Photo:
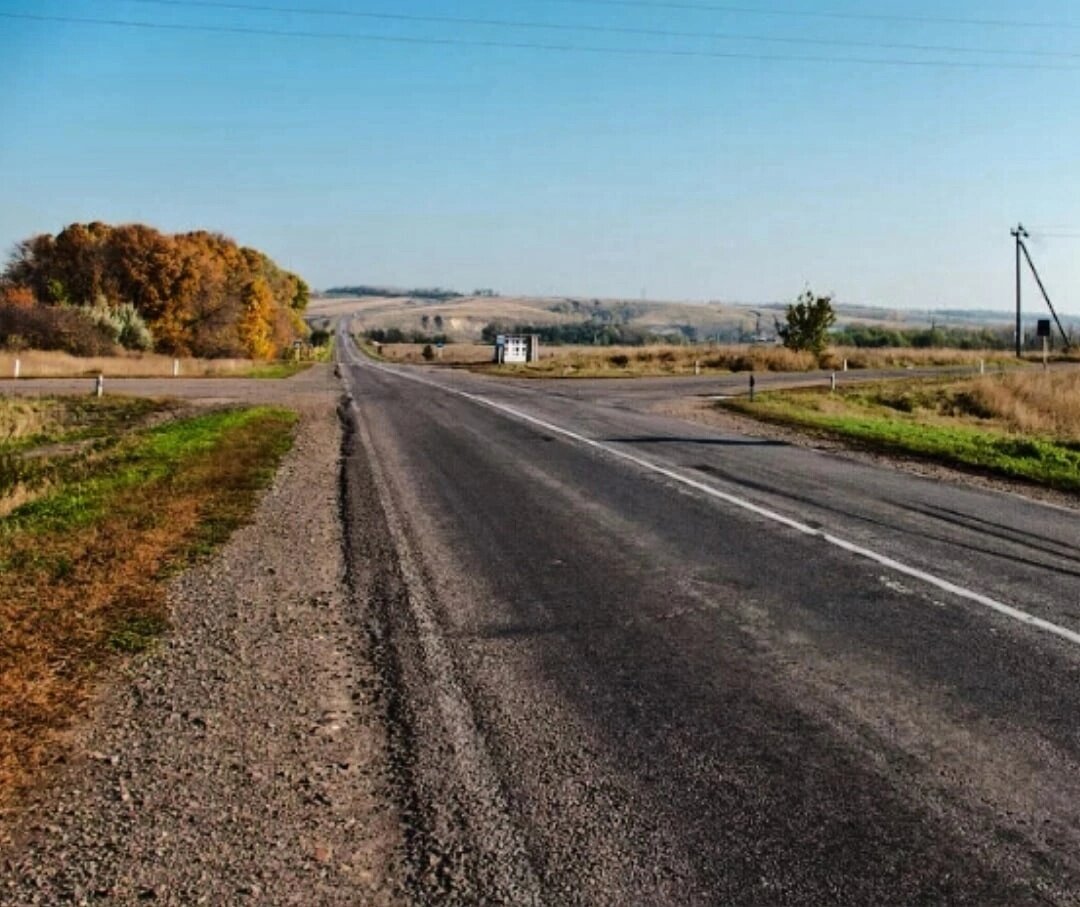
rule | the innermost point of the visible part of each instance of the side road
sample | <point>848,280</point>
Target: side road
<point>244,759</point>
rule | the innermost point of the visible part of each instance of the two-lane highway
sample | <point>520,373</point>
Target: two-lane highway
<point>631,660</point>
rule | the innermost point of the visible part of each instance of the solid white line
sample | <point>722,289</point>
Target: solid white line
<point>945,585</point>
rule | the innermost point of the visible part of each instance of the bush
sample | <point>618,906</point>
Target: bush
<point>124,323</point>
<point>319,337</point>
<point>46,327</point>
<point>428,352</point>
<point>619,360</point>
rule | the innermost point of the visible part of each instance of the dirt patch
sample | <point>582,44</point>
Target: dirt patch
<point>242,760</point>
<point>707,413</point>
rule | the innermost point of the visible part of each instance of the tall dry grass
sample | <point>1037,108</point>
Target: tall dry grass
<point>673,359</point>
<point>904,357</point>
<point>26,418</point>
<point>1032,402</point>
<point>51,364</point>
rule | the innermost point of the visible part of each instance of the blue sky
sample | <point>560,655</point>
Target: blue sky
<point>563,172</point>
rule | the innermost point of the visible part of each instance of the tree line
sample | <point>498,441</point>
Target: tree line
<point>94,287</point>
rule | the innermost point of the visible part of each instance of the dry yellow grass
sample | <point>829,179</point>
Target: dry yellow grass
<point>81,575</point>
<point>25,418</point>
<point>673,359</point>
<point>48,364</point>
<point>903,357</point>
<point>452,354</point>
<point>1031,402</point>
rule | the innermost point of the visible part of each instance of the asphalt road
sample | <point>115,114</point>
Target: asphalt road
<point>630,660</point>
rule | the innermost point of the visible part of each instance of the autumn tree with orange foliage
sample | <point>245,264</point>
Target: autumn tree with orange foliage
<point>198,293</point>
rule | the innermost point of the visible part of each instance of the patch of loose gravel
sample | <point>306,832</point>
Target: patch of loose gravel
<point>705,412</point>
<point>243,760</point>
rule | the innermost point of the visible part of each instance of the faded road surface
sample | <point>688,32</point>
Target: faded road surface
<point>630,660</point>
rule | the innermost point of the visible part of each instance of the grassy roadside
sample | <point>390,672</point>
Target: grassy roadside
<point>274,370</point>
<point>1023,425</point>
<point>82,564</point>
<point>675,360</point>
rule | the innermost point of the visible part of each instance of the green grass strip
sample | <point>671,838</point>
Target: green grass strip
<point>1041,460</point>
<point>150,456</point>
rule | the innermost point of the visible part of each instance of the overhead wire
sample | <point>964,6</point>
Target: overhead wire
<point>827,14</point>
<point>602,29</point>
<point>538,46</point>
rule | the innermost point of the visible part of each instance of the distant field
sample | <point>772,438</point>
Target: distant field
<point>1023,424</point>
<point>42,364</point>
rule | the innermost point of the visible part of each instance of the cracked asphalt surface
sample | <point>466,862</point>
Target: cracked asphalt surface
<point>604,686</point>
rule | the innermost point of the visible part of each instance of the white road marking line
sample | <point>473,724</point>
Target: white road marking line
<point>869,554</point>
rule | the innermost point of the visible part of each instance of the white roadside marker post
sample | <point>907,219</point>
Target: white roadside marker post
<point>99,386</point>
<point>18,367</point>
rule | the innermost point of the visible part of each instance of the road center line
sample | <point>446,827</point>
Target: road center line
<point>860,551</point>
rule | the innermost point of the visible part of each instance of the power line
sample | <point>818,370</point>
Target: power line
<point>538,46</point>
<point>601,29</point>
<point>819,14</point>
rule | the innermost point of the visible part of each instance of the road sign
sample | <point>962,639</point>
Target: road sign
<point>1043,329</point>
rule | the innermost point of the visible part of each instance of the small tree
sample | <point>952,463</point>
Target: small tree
<point>428,353</point>
<point>808,323</point>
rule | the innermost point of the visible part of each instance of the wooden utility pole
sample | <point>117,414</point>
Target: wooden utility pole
<point>1018,233</point>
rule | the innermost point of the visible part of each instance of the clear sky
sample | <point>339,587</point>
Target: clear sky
<point>566,172</point>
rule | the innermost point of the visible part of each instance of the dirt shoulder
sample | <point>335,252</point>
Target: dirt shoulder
<point>705,412</point>
<point>243,760</point>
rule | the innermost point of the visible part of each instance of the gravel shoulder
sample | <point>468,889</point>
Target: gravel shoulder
<point>244,759</point>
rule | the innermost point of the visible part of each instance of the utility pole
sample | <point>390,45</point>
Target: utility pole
<point>1018,234</point>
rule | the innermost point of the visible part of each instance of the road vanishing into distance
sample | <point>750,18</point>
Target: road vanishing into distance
<point>633,660</point>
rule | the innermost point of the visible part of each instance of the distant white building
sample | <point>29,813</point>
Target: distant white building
<point>517,348</point>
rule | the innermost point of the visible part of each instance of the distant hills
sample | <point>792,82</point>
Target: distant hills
<point>470,317</point>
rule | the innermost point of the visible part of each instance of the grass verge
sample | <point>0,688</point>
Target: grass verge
<point>983,424</point>
<point>284,369</point>
<point>82,567</point>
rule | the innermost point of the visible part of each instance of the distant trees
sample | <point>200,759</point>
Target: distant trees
<point>808,323</point>
<point>960,338</point>
<point>193,293</point>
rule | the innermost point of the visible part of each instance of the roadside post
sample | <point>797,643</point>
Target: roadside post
<point>99,386</point>
<point>845,365</point>
<point>18,367</point>
<point>982,366</point>
<point>176,368</point>
<point>751,388</point>
<point>832,383</point>
<point>697,366</point>
<point>1043,331</point>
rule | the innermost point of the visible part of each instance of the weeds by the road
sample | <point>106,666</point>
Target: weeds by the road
<point>1020,424</point>
<point>53,364</point>
<point>82,564</point>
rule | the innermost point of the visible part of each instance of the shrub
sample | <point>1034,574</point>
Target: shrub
<point>428,352</point>
<point>46,327</point>
<point>619,360</point>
